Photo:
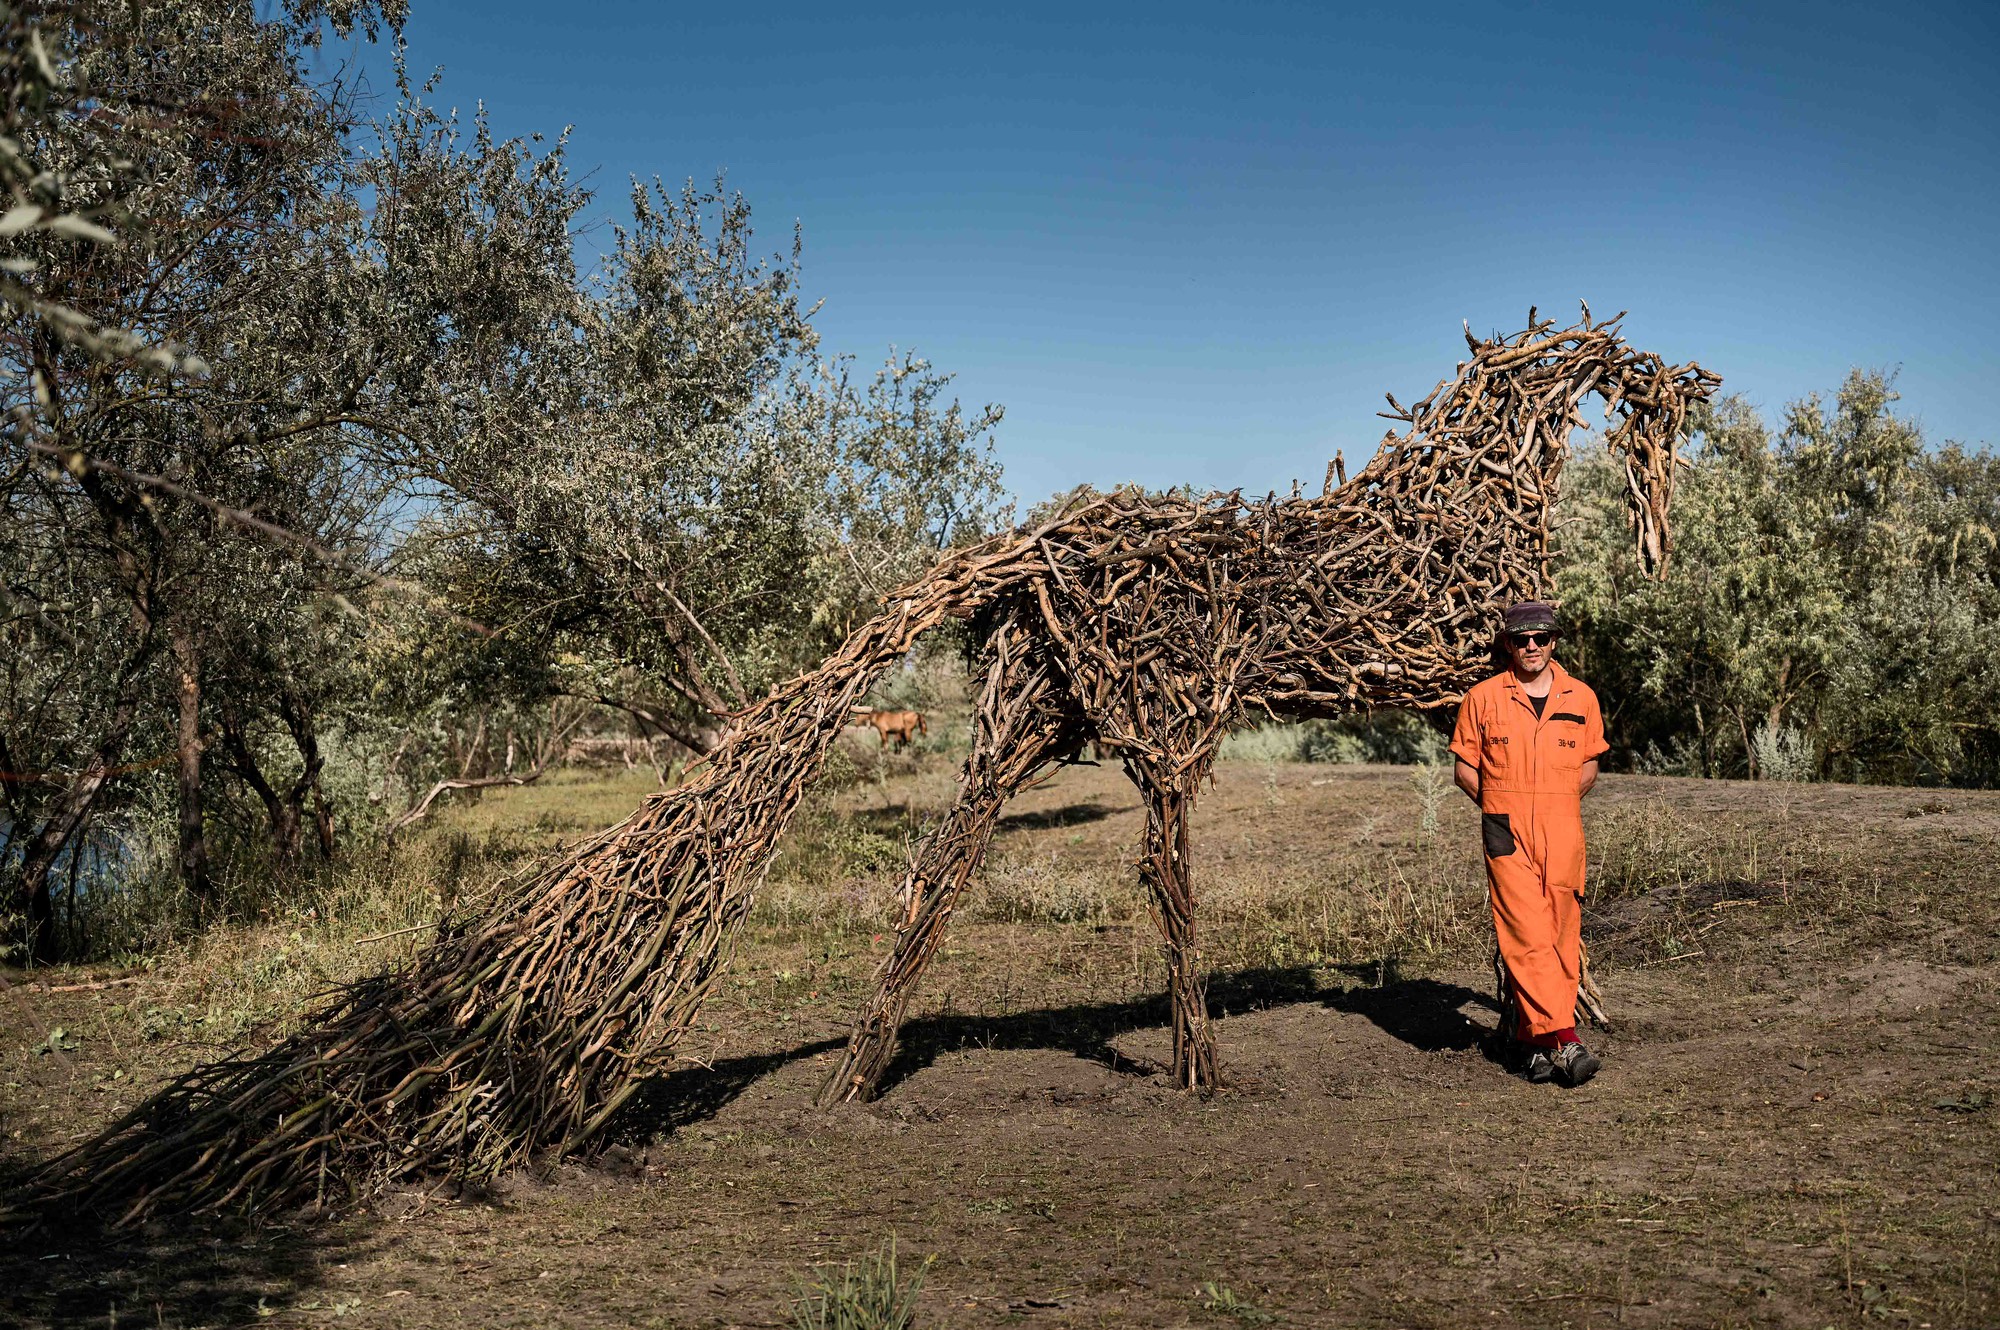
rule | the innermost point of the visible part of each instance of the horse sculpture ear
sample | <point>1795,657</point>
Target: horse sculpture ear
<point>1336,474</point>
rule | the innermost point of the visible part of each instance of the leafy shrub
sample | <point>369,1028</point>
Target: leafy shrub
<point>1784,753</point>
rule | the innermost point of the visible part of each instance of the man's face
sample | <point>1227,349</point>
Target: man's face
<point>1531,649</point>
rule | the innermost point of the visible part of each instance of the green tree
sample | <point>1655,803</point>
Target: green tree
<point>707,504</point>
<point>160,484</point>
<point>1830,608</point>
<point>316,439</point>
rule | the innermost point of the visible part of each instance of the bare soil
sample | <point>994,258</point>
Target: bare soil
<point>1796,1124</point>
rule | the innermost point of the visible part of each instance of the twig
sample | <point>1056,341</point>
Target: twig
<point>394,932</point>
<point>92,987</point>
<point>423,806</point>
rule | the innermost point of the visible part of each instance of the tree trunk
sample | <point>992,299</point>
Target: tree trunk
<point>323,821</point>
<point>1776,711</point>
<point>299,722</point>
<point>281,814</point>
<point>59,830</point>
<point>1707,743</point>
<point>187,751</point>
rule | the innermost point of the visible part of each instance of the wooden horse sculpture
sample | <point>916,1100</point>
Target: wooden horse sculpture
<point>1148,626</point>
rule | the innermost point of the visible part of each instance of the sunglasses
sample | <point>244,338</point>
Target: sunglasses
<point>1531,639</point>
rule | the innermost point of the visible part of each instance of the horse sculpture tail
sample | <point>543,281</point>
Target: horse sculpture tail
<point>522,1029</point>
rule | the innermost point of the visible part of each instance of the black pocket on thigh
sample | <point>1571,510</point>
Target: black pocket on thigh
<point>1498,834</point>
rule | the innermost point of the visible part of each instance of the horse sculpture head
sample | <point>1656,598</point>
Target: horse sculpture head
<point>1646,407</point>
<point>1495,435</point>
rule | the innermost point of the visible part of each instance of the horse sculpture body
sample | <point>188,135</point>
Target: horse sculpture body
<point>1148,626</point>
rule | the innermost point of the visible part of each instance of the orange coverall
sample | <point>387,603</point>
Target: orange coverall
<point>1531,820</point>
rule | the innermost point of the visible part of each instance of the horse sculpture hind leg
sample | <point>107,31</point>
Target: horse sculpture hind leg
<point>1165,869</point>
<point>1018,732</point>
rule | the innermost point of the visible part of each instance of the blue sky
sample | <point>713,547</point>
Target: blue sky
<point>1195,244</point>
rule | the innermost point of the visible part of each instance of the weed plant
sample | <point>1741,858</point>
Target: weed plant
<point>1220,1298</point>
<point>868,1294</point>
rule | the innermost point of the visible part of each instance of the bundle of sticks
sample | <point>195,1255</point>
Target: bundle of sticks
<point>1146,625</point>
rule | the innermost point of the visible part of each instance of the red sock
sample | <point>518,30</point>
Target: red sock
<point>1553,1039</point>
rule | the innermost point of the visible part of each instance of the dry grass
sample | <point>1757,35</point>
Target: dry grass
<point>221,984</point>
<point>1647,846</point>
<point>1394,886</point>
<point>839,874</point>
<point>1402,883</point>
<point>1400,886</point>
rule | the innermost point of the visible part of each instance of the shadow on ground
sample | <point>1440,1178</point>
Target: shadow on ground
<point>1423,1013</point>
<point>200,1271</point>
<point>1069,815</point>
<point>220,1271</point>
<point>692,1095</point>
<point>1088,1029</point>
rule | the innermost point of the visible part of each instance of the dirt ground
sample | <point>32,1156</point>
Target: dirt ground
<point>1795,1126</point>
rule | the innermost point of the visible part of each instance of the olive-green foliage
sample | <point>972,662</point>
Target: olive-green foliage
<point>223,384</point>
<point>327,474</point>
<point>1832,610</point>
<point>1388,736</point>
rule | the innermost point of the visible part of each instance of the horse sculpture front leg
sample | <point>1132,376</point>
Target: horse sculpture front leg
<point>1021,726</point>
<point>1166,871</point>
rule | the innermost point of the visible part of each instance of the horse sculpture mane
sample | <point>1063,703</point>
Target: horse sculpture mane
<point>1145,625</point>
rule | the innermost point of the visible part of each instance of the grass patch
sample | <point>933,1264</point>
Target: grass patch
<point>868,1294</point>
<point>1223,1300</point>
<point>1049,888</point>
<point>1429,907</point>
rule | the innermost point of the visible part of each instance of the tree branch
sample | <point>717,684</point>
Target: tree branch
<point>423,806</point>
<point>80,463</point>
<point>691,740</point>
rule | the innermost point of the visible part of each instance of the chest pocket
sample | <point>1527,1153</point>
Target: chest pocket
<point>1496,757</point>
<point>1562,741</point>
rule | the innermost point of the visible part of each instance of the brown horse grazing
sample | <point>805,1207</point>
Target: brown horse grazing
<point>902,725</point>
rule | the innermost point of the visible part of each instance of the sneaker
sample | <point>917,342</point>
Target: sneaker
<point>1538,1066</point>
<point>1575,1064</point>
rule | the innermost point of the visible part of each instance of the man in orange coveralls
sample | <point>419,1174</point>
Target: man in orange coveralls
<point>1527,745</point>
